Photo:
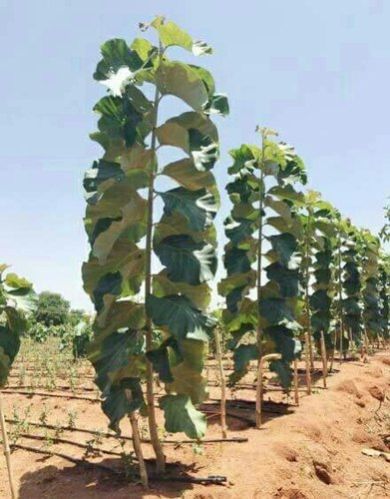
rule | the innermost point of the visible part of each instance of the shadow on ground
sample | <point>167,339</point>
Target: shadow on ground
<point>77,481</point>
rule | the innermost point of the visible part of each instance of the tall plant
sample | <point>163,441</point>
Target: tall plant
<point>263,232</point>
<point>384,294</point>
<point>352,284</point>
<point>370,247</point>
<point>149,320</point>
<point>316,266</point>
<point>16,298</point>
<point>337,303</point>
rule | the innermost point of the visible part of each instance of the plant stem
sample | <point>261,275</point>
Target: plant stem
<point>157,446</point>
<point>7,451</point>
<point>324,359</point>
<point>259,384</point>
<point>341,320</point>
<point>307,297</point>
<point>222,381</point>
<point>138,450</point>
<point>308,374</point>
<point>296,382</point>
<point>263,360</point>
<point>137,444</point>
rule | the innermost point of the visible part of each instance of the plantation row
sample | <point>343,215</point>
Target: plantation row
<point>293,265</point>
<point>298,275</point>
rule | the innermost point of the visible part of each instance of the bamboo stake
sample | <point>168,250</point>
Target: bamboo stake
<point>296,382</point>
<point>137,444</point>
<point>7,452</point>
<point>223,382</point>
<point>259,388</point>
<point>307,361</point>
<point>324,359</point>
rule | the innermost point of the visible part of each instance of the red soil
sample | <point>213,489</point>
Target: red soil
<point>313,452</point>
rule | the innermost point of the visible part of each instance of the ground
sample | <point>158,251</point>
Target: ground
<point>310,451</point>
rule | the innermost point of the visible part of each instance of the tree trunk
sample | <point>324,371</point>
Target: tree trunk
<point>296,382</point>
<point>307,360</point>
<point>222,381</point>
<point>324,359</point>
<point>153,429</point>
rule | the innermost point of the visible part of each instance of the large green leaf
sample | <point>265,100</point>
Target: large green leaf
<point>9,347</point>
<point>16,298</point>
<point>122,399</point>
<point>188,176</point>
<point>276,310</point>
<point>180,364</point>
<point>171,34</point>
<point>186,260</point>
<point>242,356</point>
<point>116,54</point>
<point>176,224</point>
<point>180,317</point>
<point>287,279</point>
<point>119,315</point>
<point>182,81</point>
<point>200,295</point>
<point>284,246</point>
<point>190,132</point>
<point>130,222</point>
<point>218,104</point>
<point>181,416</point>
<point>126,259</point>
<point>198,207</point>
<point>237,260</point>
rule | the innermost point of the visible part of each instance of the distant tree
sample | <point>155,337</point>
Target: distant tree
<point>78,315</point>
<point>384,234</point>
<point>52,309</point>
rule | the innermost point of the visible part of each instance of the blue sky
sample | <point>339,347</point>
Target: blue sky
<point>317,71</point>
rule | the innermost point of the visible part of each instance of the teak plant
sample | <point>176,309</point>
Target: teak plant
<point>261,287</point>
<point>16,298</point>
<point>150,227</point>
<point>370,247</point>
<point>352,285</point>
<point>316,258</point>
<point>337,303</point>
<point>384,294</point>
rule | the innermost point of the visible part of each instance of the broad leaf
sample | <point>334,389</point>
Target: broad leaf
<point>181,416</point>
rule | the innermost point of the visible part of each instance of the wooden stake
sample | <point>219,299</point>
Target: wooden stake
<point>259,387</point>
<point>324,359</point>
<point>350,343</point>
<point>222,381</point>
<point>296,382</point>
<point>143,473</point>
<point>331,360</point>
<point>333,355</point>
<point>366,341</point>
<point>341,345</point>
<point>311,356</point>
<point>307,361</point>
<point>7,452</point>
